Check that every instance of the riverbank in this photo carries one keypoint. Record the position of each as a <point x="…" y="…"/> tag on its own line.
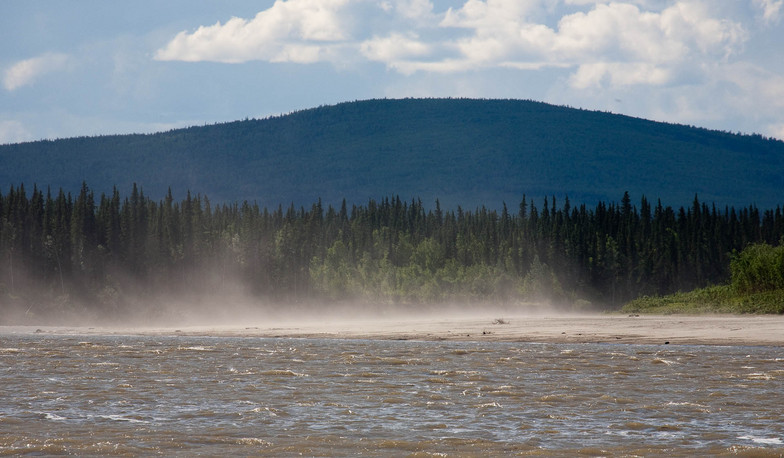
<point x="626" y="329"/>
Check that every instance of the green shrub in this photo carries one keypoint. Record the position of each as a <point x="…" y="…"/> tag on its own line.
<point x="758" y="268"/>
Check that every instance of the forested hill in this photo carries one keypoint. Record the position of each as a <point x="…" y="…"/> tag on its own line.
<point x="463" y="152"/>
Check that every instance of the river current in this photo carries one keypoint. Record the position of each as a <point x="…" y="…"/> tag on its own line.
<point x="185" y="395"/>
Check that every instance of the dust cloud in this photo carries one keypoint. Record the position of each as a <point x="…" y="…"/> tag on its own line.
<point x="209" y="297"/>
<point x="225" y="307"/>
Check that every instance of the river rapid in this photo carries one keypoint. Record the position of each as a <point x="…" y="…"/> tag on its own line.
<point x="190" y="395"/>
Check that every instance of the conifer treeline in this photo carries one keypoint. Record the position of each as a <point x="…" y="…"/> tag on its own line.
<point x="59" y="247"/>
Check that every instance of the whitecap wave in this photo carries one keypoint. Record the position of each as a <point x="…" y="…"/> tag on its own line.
<point x="763" y="440"/>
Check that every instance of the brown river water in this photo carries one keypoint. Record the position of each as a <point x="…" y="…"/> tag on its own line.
<point x="185" y="395"/>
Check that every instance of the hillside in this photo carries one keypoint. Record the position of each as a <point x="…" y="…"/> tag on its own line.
<point x="466" y="152"/>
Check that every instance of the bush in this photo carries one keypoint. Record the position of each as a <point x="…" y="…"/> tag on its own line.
<point x="758" y="268"/>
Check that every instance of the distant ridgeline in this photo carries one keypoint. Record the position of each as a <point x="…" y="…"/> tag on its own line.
<point x="461" y="151"/>
<point x="60" y="252"/>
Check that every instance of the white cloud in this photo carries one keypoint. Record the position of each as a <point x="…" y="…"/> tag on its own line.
<point x="690" y="22"/>
<point x="414" y="9"/>
<point x="614" y="31"/>
<point x="395" y="48"/>
<point x="25" y="72"/>
<point x="619" y="74"/>
<point x="770" y="10"/>
<point x="615" y="43"/>
<point x="488" y="14"/>
<point x="301" y="31"/>
<point x="630" y="46"/>
<point x="623" y="43"/>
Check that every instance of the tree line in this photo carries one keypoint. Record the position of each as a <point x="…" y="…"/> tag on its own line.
<point x="59" y="249"/>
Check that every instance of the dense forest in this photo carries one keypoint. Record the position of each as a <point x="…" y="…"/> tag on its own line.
<point x="460" y="151"/>
<point x="62" y="252"/>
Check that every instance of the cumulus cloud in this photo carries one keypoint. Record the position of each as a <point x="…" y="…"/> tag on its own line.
<point x="411" y="9"/>
<point x="395" y="48"/>
<point x="614" y="42"/>
<point x="606" y="43"/>
<point x="27" y="71"/>
<point x="632" y="46"/>
<point x="301" y="31"/>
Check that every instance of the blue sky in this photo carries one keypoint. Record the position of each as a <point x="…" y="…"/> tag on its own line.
<point x="92" y="67"/>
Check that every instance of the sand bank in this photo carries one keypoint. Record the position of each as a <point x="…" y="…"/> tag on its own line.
<point x="643" y="329"/>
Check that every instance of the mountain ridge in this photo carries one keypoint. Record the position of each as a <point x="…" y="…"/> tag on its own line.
<point x="466" y="152"/>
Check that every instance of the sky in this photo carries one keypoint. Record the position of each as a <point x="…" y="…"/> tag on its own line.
<point x="97" y="67"/>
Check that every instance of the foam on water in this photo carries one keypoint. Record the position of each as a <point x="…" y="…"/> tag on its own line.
<point x="763" y="440"/>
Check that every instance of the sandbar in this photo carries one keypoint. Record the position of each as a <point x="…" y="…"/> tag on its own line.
<point x="734" y="330"/>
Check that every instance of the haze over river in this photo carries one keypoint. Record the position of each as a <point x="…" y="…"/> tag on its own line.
<point x="186" y="395"/>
